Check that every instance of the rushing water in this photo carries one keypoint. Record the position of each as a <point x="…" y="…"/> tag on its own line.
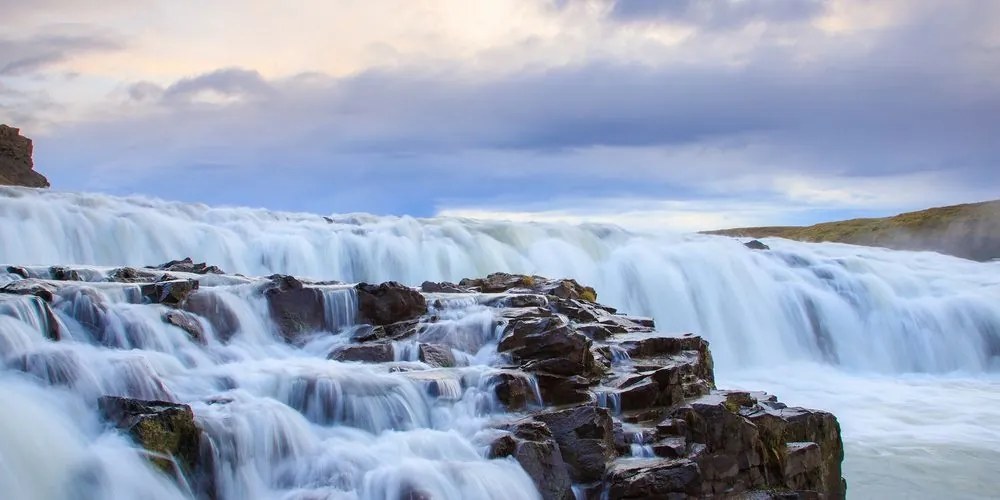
<point x="904" y="347"/>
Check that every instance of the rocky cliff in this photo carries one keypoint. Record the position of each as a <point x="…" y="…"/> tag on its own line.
<point x="16" y="165"/>
<point x="971" y="231"/>
<point x="590" y="402"/>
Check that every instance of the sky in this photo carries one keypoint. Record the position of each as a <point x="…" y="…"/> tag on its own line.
<point x="679" y="114"/>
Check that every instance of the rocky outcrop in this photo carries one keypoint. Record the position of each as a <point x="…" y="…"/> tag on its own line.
<point x="186" y="265"/>
<point x="16" y="164"/>
<point x="590" y="402"/>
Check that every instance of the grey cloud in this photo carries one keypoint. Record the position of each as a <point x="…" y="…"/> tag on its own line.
<point x="232" y="82"/>
<point x="717" y="13"/>
<point x="30" y="55"/>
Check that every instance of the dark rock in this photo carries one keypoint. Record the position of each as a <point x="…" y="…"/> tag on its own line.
<point x="18" y="270"/>
<point x="295" y="309"/>
<point x="551" y="344"/>
<point x="159" y="426"/>
<point x="209" y="306"/>
<point x="586" y="439"/>
<point x="533" y="446"/>
<point x="436" y="355"/>
<point x="61" y="273"/>
<point x="519" y="283"/>
<point x="41" y="289"/>
<point x="370" y="353"/>
<point x="443" y="287"/>
<point x="513" y="389"/>
<point x="187" y="322"/>
<point x="756" y="245"/>
<point x="667" y="479"/>
<point x="562" y="390"/>
<point x="16" y="164"/>
<point x="186" y="265"/>
<point x="169" y="293"/>
<point x="388" y="303"/>
<point x="131" y="275"/>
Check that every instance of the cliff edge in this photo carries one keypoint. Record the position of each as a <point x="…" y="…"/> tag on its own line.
<point x="16" y="166"/>
<point x="971" y="231"/>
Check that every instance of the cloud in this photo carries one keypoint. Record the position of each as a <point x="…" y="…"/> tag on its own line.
<point x="40" y="52"/>
<point x="717" y="14"/>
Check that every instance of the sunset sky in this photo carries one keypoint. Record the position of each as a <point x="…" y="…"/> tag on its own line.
<point x="683" y="114"/>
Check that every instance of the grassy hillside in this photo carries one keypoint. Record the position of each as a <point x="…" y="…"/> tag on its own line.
<point x="971" y="231"/>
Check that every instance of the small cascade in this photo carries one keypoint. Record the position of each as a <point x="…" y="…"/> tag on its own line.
<point x="610" y="399"/>
<point x="640" y="443"/>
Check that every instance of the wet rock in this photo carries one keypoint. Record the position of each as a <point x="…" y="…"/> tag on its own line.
<point x="186" y="265"/>
<point x="560" y="390"/>
<point x="18" y="270"/>
<point x="388" y="303"/>
<point x="295" y="308"/>
<point x="41" y="289"/>
<point x="550" y="344"/>
<point x="586" y="439"/>
<point x="519" y="283"/>
<point x="533" y="446"/>
<point x="169" y="293"/>
<point x="158" y="426"/>
<point x="513" y="389"/>
<point x="443" y="287"/>
<point x="756" y="245"/>
<point x="667" y="479"/>
<point x="370" y="353"/>
<point x="436" y="355"/>
<point x="209" y="306"/>
<point x="62" y="273"/>
<point x="132" y="275"/>
<point x="187" y="322"/>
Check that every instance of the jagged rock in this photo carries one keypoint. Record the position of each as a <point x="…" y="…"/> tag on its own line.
<point x="586" y="439"/>
<point x="436" y="355"/>
<point x="187" y="322"/>
<point x="560" y="390"/>
<point x="756" y="245"/>
<point x="159" y="426"/>
<point x="18" y="270"/>
<point x="549" y="344"/>
<point x="16" y="164"/>
<point x="296" y="309"/>
<point x="186" y="265"/>
<point x="208" y="305"/>
<point x="513" y="389"/>
<point x="519" y="283"/>
<point x="533" y="446"/>
<point x="371" y="353"/>
<point x="169" y="293"/>
<point x="443" y="287"/>
<point x="667" y="479"/>
<point x="389" y="302"/>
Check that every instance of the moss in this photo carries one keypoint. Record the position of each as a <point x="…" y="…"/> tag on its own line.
<point x="588" y="294"/>
<point x="527" y="281"/>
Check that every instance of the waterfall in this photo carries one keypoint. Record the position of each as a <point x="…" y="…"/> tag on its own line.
<point x="863" y="309"/>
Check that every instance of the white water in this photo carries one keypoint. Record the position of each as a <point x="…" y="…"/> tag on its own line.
<point x="853" y="330"/>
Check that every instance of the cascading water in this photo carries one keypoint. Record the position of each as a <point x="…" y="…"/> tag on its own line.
<point x="811" y="321"/>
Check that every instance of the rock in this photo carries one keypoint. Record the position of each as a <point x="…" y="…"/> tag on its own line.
<point x="16" y="164"/>
<point x="295" y="309"/>
<point x="18" y="270"/>
<point x="208" y="305"/>
<point x="39" y="288"/>
<point x="443" y="287"/>
<point x="667" y="479"/>
<point x="550" y="344"/>
<point x="388" y="303"/>
<point x="533" y="446"/>
<point x="560" y="390"/>
<point x="436" y="355"/>
<point x="158" y="426"/>
<point x="756" y="245"/>
<point x="187" y="322"/>
<point x="186" y="265"/>
<point x="62" y="273"/>
<point x="169" y="293"/>
<point x="370" y="353"/>
<point x="36" y="300"/>
<point x="132" y="275"/>
<point x="513" y="389"/>
<point x="519" y="283"/>
<point x="586" y="439"/>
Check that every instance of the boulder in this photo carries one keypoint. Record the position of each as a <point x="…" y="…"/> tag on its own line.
<point x="161" y="427"/>
<point x="187" y="322"/>
<point x="295" y="308"/>
<point x="39" y="288"/>
<point x="519" y="283"/>
<point x="170" y="292"/>
<point x="443" y="287"/>
<point x="62" y="273"/>
<point x="756" y="245"/>
<point x="208" y="305"/>
<point x="533" y="446"/>
<point x="389" y="303"/>
<point x="436" y="355"/>
<point x="550" y="344"/>
<point x="132" y="275"/>
<point x="370" y="353"/>
<point x="513" y="389"/>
